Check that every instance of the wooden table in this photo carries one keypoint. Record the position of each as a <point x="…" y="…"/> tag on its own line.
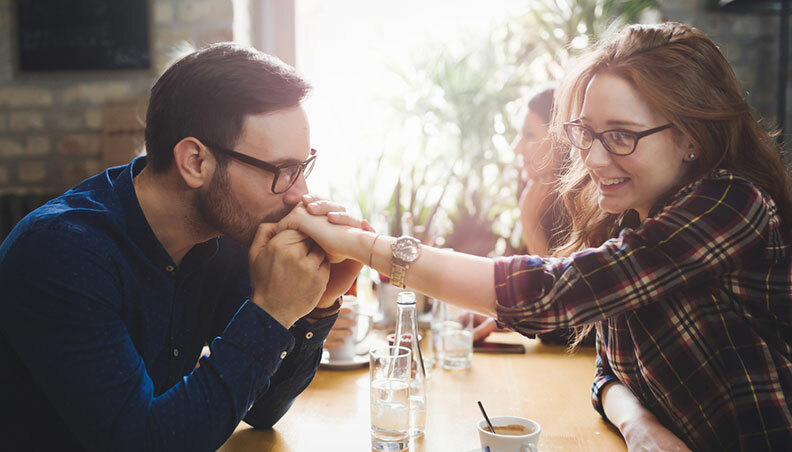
<point x="545" y="384"/>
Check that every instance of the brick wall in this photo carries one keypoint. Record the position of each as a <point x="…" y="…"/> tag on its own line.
<point x="53" y="126"/>
<point x="750" y="43"/>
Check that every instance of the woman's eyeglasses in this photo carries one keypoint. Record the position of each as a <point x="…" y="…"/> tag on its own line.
<point x="615" y="141"/>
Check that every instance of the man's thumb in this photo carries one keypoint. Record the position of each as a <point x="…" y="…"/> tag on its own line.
<point x="264" y="233"/>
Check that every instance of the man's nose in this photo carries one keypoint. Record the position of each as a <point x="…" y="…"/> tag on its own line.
<point x="295" y="193"/>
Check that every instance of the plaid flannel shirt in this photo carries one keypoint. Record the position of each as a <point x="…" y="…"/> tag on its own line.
<point x="693" y="310"/>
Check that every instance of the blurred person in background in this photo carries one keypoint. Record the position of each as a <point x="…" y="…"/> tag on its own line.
<point x="543" y="218"/>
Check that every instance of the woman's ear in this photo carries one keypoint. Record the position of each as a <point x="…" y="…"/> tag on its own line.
<point x="194" y="162"/>
<point x="687" y="148"/>
<point x="691" y="154"/>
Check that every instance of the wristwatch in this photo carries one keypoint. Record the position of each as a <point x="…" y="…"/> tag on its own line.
<point x="323" y="313"/>
<point x="404" y="251"/>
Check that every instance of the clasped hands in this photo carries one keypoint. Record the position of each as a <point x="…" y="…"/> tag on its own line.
<point x="299" y="264"/>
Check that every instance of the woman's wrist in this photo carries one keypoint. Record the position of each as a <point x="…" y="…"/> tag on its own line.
<point x="623" y="409"/>
<point x="641" y="419"/>
<point x="362" y="246"/>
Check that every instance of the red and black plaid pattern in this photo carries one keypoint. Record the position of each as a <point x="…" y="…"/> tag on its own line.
<point x="693" y="309"/>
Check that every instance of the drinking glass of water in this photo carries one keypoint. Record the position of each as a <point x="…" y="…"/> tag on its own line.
<point x="452" y="335"/>
<point x="389" y="390"/>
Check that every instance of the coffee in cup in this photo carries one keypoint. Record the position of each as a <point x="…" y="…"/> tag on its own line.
<point x="512" y="434"/>
<point x="512" y="429"/>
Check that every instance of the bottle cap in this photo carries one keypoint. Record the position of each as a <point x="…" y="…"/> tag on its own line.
<point x="405" y="297"/>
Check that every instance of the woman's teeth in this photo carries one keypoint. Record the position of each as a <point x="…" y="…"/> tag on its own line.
<point x="614" y="181"/>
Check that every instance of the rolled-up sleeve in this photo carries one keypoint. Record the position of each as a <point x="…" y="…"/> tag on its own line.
<point x="602" y="376"/>
<point x="710" y="229"/>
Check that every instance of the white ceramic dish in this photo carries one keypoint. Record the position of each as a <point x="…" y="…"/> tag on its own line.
<point x="357" y="361"/>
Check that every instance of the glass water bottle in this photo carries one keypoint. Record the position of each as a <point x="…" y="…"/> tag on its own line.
<point x="407" y="336"/>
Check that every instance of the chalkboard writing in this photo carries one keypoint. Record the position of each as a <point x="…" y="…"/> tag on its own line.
<point x="57" y="35"/>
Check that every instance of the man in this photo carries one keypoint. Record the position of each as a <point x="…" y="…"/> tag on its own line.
<point x="110" y="291"/>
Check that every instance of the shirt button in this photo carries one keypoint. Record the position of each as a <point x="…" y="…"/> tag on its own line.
<point x="283" y="354"/>
<point x="169" y="268"/>
<point x="176" y="352"/>
<point x="309" y="335"/>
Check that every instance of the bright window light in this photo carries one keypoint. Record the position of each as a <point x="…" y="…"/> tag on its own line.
<point x="349" y="49"/>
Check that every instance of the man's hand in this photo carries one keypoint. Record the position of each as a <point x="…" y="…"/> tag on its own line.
<point x="327" y="224"/>
<point x="288" y="273"/>
<point x="342" y="275"/>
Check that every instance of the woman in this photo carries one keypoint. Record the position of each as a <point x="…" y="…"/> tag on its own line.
<point x="542" y="214"/>
<point x="679" y="252"/>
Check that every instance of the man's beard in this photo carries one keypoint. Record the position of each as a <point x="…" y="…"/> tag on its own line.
<point x="219" y="211"/>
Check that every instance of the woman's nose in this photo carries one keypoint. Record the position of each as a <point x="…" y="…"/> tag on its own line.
<point x="596" y="156"/>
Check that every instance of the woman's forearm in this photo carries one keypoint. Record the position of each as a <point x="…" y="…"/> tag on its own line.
<point x="462" y="279"/>
<point x="621" y="406"/>
<point x="639" y="427"/>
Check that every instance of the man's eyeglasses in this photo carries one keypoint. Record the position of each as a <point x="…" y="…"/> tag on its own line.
<point x="284" y="176"/>
<point x="615" y="141"/>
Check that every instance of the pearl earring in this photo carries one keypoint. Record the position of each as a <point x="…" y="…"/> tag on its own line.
<point x="691" y="156"/>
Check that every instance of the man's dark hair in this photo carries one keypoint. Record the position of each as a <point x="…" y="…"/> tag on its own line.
<point x="207" y="95"/>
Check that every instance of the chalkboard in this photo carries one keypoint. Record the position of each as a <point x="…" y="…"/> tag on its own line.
<point x="82" y="35"/>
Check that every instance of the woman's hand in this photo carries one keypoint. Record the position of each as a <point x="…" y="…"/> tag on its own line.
<point x="311" y="217"/>
<point x="646" y="434"/>
<point x="328" y="224"/>
<point x="640" y="428"/>
<point x="483" y="326"/>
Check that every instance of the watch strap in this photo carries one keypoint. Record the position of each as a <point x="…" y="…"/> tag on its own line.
<point x="323" y="313"/>
<point x="398" y="273"/>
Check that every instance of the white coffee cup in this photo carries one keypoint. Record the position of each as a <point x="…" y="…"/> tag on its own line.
<point x="347" y="351"/>
<point x="509" y="442"/>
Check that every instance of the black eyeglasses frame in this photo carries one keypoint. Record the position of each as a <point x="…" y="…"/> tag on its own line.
<point x="599" y="136"/>
<point x="274" y="169"/>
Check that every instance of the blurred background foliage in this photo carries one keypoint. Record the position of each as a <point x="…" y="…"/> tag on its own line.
<point x="462" y="103"/>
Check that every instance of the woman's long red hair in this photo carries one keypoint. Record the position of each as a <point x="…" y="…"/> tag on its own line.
<point x="684" y="76"/>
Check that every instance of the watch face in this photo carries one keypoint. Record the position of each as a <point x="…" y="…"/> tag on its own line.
<point x="407" y="249"/>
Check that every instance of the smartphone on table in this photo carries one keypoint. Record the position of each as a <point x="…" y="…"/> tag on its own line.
<point x="497" y="347"/>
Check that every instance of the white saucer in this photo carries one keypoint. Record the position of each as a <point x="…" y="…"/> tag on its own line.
<point x="357" y="361"/>
<point x="479" y="449"/>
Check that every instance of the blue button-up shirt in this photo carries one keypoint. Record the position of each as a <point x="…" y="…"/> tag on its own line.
<point x="100" y="333"/>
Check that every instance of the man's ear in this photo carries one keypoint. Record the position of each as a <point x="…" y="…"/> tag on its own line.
<point x="194" y="162"/>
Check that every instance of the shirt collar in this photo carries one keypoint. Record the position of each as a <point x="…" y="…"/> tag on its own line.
<point x="137" y="227"/>
<point x="139" y="230"/>
<point x="631" y="219"/>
